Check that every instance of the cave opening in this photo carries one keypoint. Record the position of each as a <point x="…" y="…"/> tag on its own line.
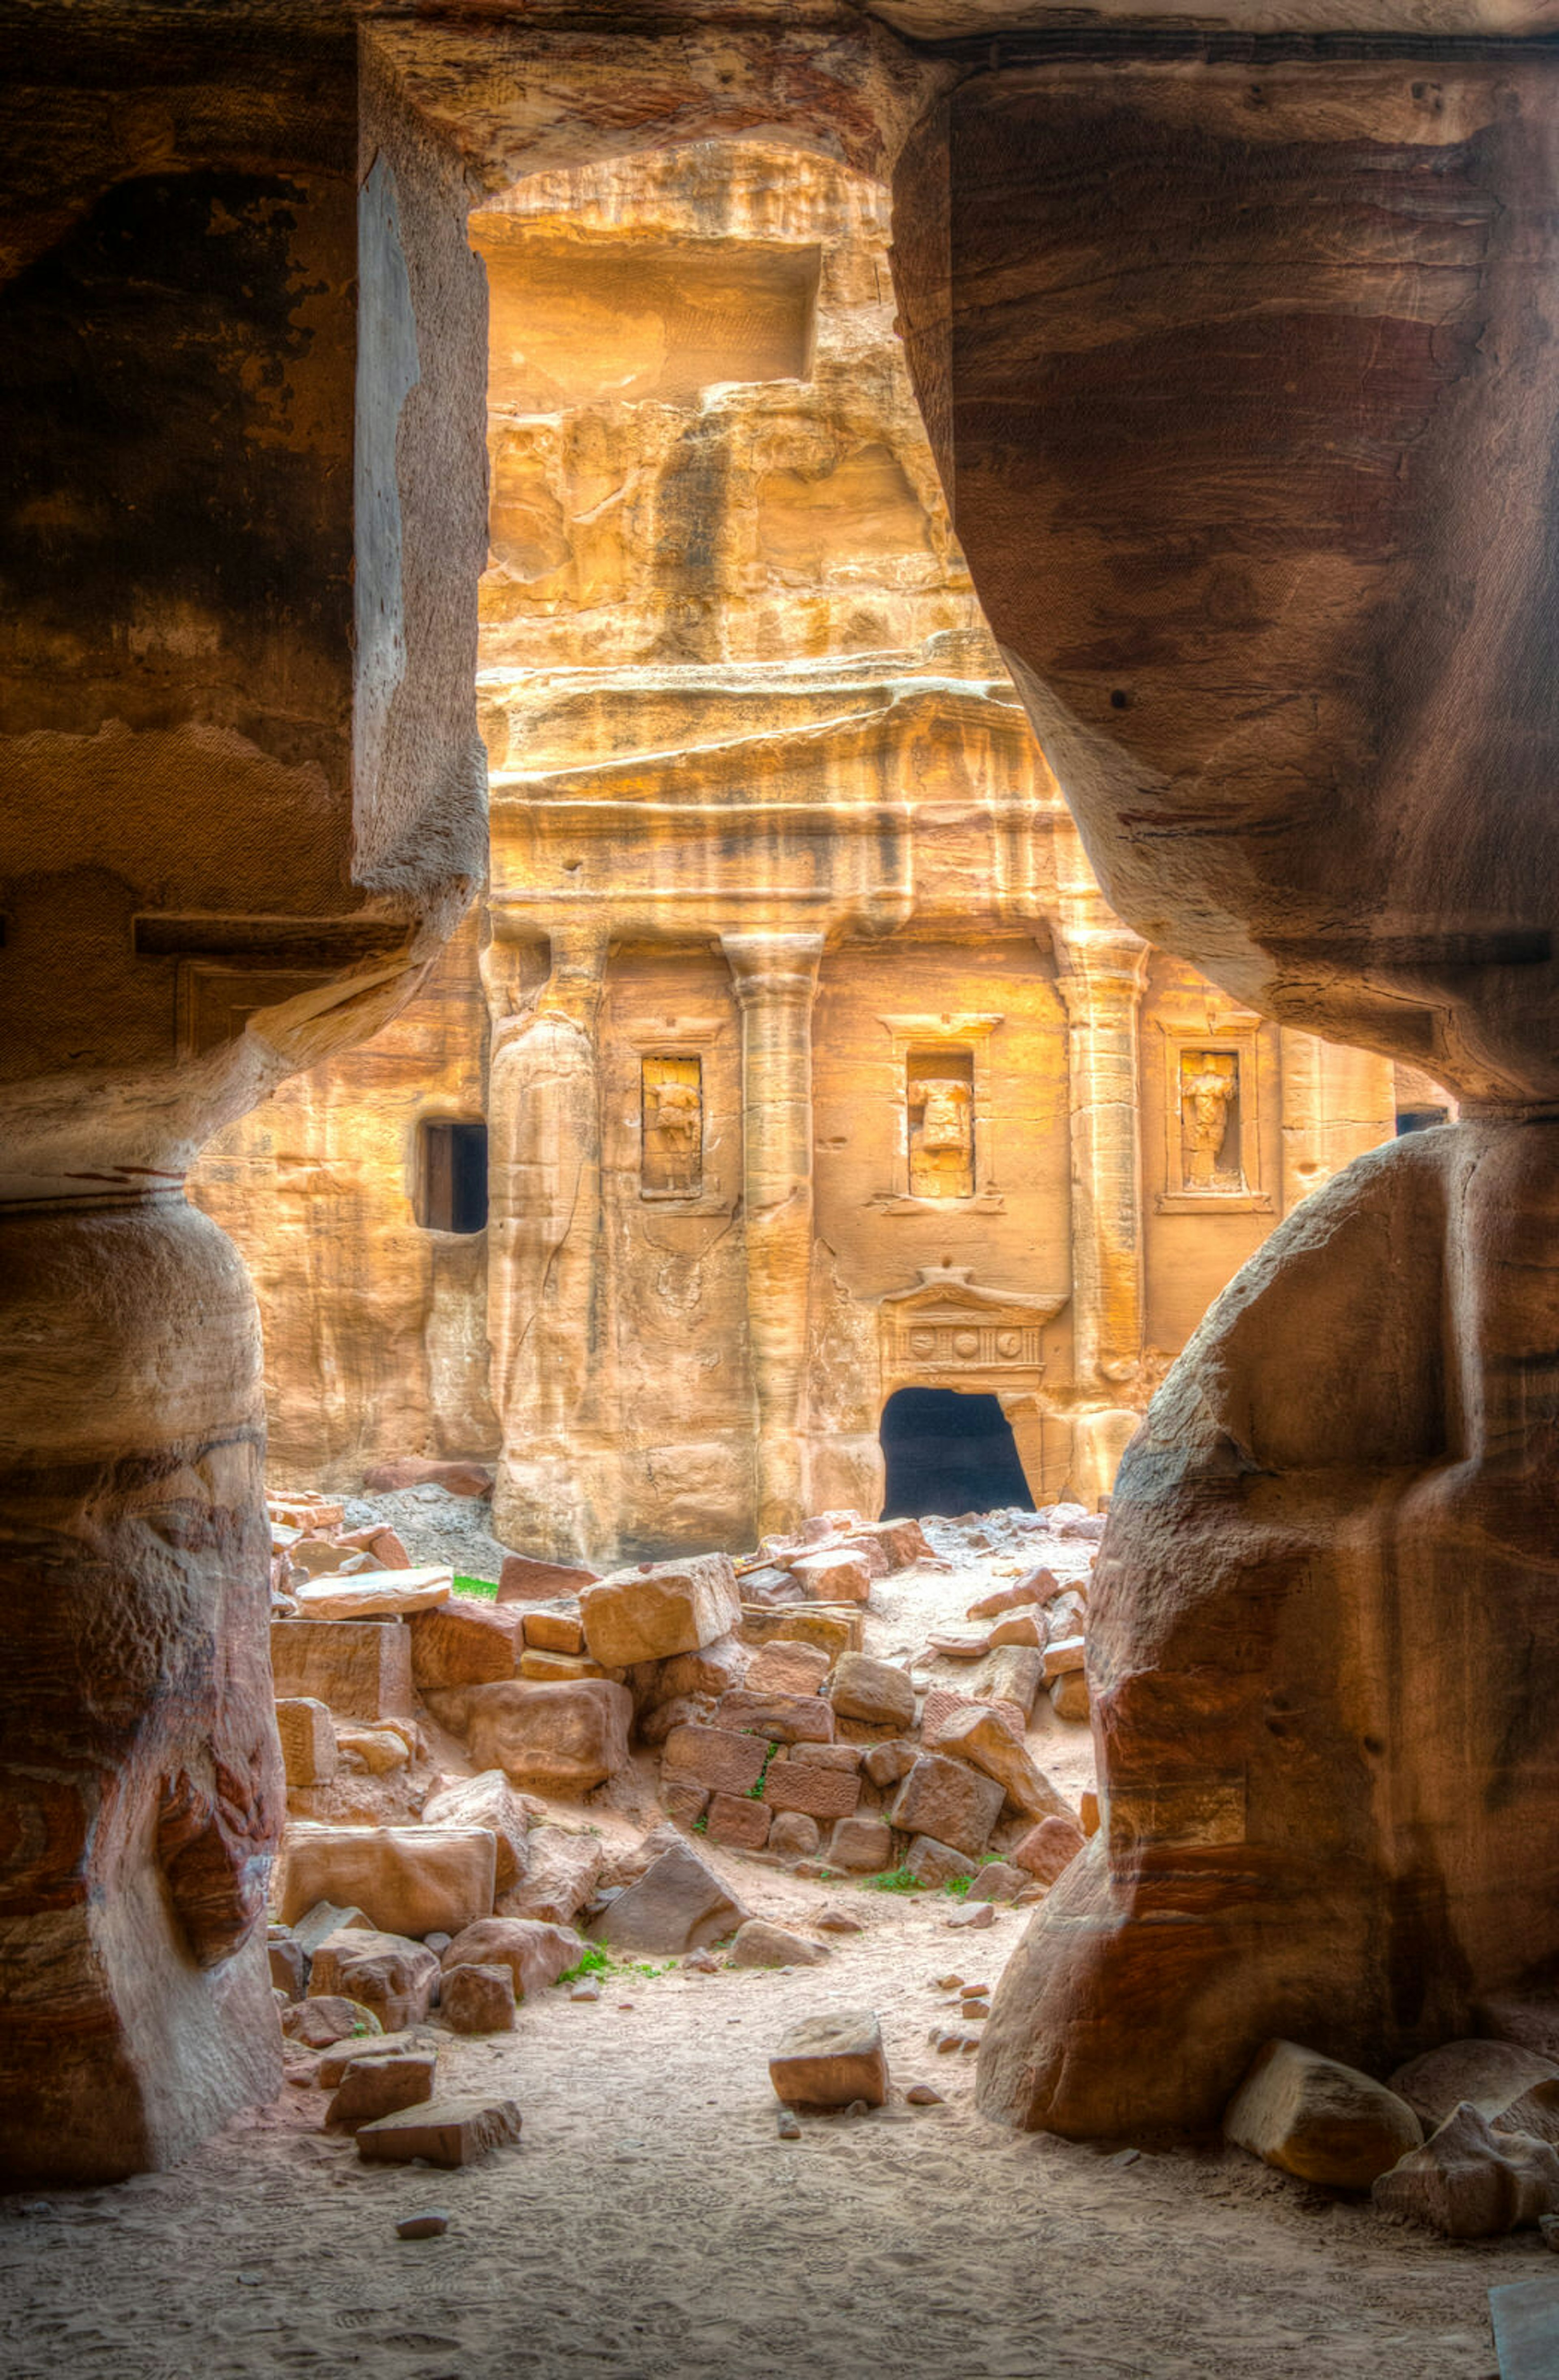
<point x="949" y="1452"/>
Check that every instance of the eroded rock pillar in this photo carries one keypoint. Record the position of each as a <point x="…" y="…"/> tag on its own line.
<point x="140" y="1780"/>
<point x="547" y="1322"/>
<point x="776" y="977"/>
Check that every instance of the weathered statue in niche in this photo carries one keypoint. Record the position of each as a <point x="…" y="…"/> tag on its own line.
<point x="941" y="1137"/>
<point x="1210" y="1121"/>
<point x="672" y="1154"/>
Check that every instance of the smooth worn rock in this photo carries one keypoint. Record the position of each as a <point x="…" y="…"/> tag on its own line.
<point x="831" y="2061"/>
<point x="1315" y="2117"/>
<point x="949" y="1801"/>
<point x="878" y="1690"/>
<point x="411" y="1880"/>
<point x="1062" y="1657"/>
<point x="903" y="1543"/>
<point x="559" y="1739"/>
<point x="487" y="1801"/>
<point x="535" y="1954"/>
<point x="835" y="1919"/>
<point x="308" y="1736"/>
<point x="740" y="1822"/>
<point x="289" y="1963"/>
<point x="334" y="2061"/>
<point x="382" y="1595"/>
<point x="372" y="2087"/>
<point x="922" y="2095"/>
<point x="478" y="1998"/>
<point x="718" y="1669"/>
<point x="431" y="2225"/>
<point x="974" y="1916"/>
<point x="792" y="1834"/>
<point x="997" y="1881"/>
<point x="1069" y="1696"/>
<point x="1471" y="2181"/>
<point x="462" y="1644"/>
<point x="554" y="1628"/>
<point x="833" y="1628"/>
<point x="861" y="1845"/>
<point x="884" y="1764"/>
<point x="837" y="1578"/>
<point x="522" y="1579"/>
<point x="443" y="2133"/>
<point x="932" y="1864"/>
<point x="392" y="1976"/>
<point x="678" y="1904"/>
<point x="1049" y="1849"/>
<point x="378" y="1750"/>
<point x="760" y="1943"/>
<point x="658" y="1608"/>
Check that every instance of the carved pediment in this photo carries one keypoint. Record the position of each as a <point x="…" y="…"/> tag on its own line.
<point x="949" y="1329"/>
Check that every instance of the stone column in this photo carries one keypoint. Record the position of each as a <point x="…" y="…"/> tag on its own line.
<point x="141" y="1789"/>
<point x="1102" y="964"/>
<point x="776" y="977"/>
<point x="546" y="1305"/>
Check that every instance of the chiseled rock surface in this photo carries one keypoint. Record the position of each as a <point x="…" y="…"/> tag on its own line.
<point x="660" y="1608"/>
<point x="950" y="1801"/>
<point x="1471" y="2181"/>
<point x="1490" y="2075"/>
<point x="411" y="1880"/>
<point x="879" y="1691"/>
<point x="560" y="1877"/>
<point x="1319" y="2120"/>
<point x="382" y="1595"/>
<point x="463" y="1643"/>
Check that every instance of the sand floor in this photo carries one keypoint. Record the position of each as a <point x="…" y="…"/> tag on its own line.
<point x="652" y="2223"/>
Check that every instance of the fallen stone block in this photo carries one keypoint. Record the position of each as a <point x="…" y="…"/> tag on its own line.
<point x="932" y="1864"/>
<point x="997" y="1881"/>
<point x="444" y="2132"/>
<point x="884" y="1764"/>
<point x="1012" y="1674"/>
<point x="847" y="1757"/>
<point x="714" y="1669"/>
<point x="462" y="1644"/>
<point x="684" y="1805"/>
<point x="379" y="1750"/>
<point x="973" y="1916"/>
<point x="326" y="1918"/>
<point x="878" y="1690"/>
<point x="949" y="1801"/>
<point x="535" y="1953"/>
<point x="459" y="1478"/>
<point x="738" y="1821"/>
<point x="360" y="1668"/>
<point x="658" y="1608"/>
<point x="333" y="2062"/>
<point x="380" y="1541"/>
<point x="329" y="2017"/>
<point x="786" y="1668"/>
<point x="1033" y="1587"/>
<point x="560" y="1880"/>
<point x="1049" y="1849"/>
<point x="393" y="1976"/>
<point x="837" y="1577"/>
<point x="761" y="1943"/>
<point x="903" y="1543"/>
<point x="1471" y="2181"/>
<point x="1061" y="1659"/>
<point x="821" y="1793"/>
<point x="831" y="2061"/>
<point x="289" y="1961"/>
<point x="476" y="2000"/>
<point x="487" y="1801"/>
<point x="561" y="1668"/>
<point x="525" y="1580"/>
<point x="372" y="2087"/>
<point x="1087" y="1813"/>
<point x="1068" y="1695"/>
<point x="554" y="1628"/>
<point x="861" y="1846"/>
<point x="1310" y="2116"/>
<point x="833" y="1628"/>
<point x="778" y="1719"/>
<point x="559" y="1739"/>
<point x="382" y="1595"/>
<point x="411" y="1880"/>
<point x="793" y="1835"/>
<point x="716" y="1757"/>
<point x="978" y="1736"/>
<point x="1490" y="2075"/>
<point x="1022" y="1631"/>
<point x="678" y="1904"/>
<point x="307" y="1734"/>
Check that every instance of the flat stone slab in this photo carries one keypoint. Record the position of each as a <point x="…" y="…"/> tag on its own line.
<point x="443" y="2132"/>
<point x="375" y="1594"/>
<point x="1525" y="2319"/>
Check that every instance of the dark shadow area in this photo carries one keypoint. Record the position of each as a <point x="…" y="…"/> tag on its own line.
<point x="451" y="1175"/>
<point x="947" y="1452"/>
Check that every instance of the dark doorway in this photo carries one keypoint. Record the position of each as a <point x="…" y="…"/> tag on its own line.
<point x="451" y="1193"/>
<point x="1420" y="1119"/>
<point x="950" y="1453"/>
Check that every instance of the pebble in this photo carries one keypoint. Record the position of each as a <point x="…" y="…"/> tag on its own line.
<point x="587" y="1988"/>
<point x="982" y="1914"/>
<point x="858" y="2107"/>
<point x="431" y="2226"/>
<point x="948" y="1984"/>
<point x="788" y="2127"/>
<point x="700" y="1962"/>
<point x="920" y="2094"/>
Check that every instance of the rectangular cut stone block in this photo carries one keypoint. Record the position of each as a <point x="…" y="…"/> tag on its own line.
<point x="463" y="1644"/>
<point x="387" y="1972"/>
<point x="787" y="1668"/>
<point x="903" y="1542"/>
<point x="411" y="1880"/>
<point x="487" y="1801"/>
<point x="834" y="1628"/>
<point x="559" y="1666"/>
<point x="360" y="1668"/>
<point x="1062" y="1658"/>
<point x="944" y="1798"/>
<point x="382" y="1595"/>
<point x="523" y="1579"/>
<point x="307" y="1737"/>
<point x="551" y="1629"/>
<point x="839" y="1577"/>
<point x="663" y="1608"/>
<point x="372" y="2087"/>
<point x="782" y="1719"/>
<point x="741" y="1823"/>
<point x="831" y="2061"/>
<point x="444" y="2131"/>
<point x="714" y="1756"/>
<point x="822" y="1793"/>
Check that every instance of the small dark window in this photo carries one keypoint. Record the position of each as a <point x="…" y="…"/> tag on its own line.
<point x="1420" y="1119"/>
<point x="451" y="1175"/>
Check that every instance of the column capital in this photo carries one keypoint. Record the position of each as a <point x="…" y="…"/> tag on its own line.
<point x="783" y="966"/>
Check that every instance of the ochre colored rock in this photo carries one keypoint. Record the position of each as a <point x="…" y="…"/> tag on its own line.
<point x="831" y="2061"/>
<point x="522" y="1579"/>
<point x="459" y="1478"/>
<point x="384" y="1595"/>
<point x="660" y="1608"/>
<point x="444" y="2132"/>
<point x="464" y="1644"/>
<point x="360" y="1668"/>
<point x="411" y="1880"/>
<point x="833" y="1629"/>
<point x="560" y="1879"/>
<point x="1324" y="2121"/>
<point x="840" y="1576"/>
<point x="380" y="2085"/>
<point x="560" y="1738"/>
<point x="780" y="1718"/>
<point x="879" y="1691"/>
<point x="983" y="1738"/>
<point x="781" y="1667"/>
<point x="535" y="1954"/>
<point x="307" y="1740"/>
<point x="554" y="1629"/>
<point x="487" y="1801"/>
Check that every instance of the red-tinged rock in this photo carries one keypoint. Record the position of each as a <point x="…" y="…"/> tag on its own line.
<point x="862" y="1846"/>
<point x="841" y="1576"/>
<point x="392" y="1976"/>
<point x="761" y="1943"/>
<point x="741" y="1824"/>
<point x="793" y="1835"/>
<point x="463" y="1644"/>
<point x="476" y="2000"/>
<point x="408" y="1880"/>
<point x="831" y="2061"/>
<point x="560" y="1880"/>
<point x="379" y="1540"/>
<point x="903" y="1542"/>
<point x="779" y="1718"/>
<point x="779" y="1668"/>
<point x="949" y="1801"/>
<point x="559" y="1739"/>
<point x="524" y="1580"/>
<point x="534" y="1953"/>
<point x="487" y="1801"/>
<point x="1049" y="1849"/>
<point x="878" y="1690"/>
<point x="552" y="1628"/>
<point x="716" y="1757"/>
<point x="678" y="1904"/>
<point x="983" y="1738"/>
<point x="821" y="1793"/>
<point x="1068" y="1653"/>
<point x="361" y="1668"/>
<point x="376" y="2086"/>
<point x="1326" y="2123"/>
<point x="443" y="2133"/>
<point x="410" y="1470"/>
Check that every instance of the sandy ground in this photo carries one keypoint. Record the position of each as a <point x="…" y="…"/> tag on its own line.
<point x="652" y="2223"/>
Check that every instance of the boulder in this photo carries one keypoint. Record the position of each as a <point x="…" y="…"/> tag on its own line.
<point x="1063" y="1657"/>
<point x="487" y="1801"/>
<point x="559" y="1739"/>
<point x="524" y="1580"/>
<point x="760" y="1943"/>
<point x="1034" y="1587"/>
<point x="793" y="1835"/>
<point x="949" y="1801"/>
<point x="1471" y="2181"/>
<point x="534" y="1953"/>
<point x="840" y="1576"/>
<point x="1026" y="1630"/>
<point x="831" y="2061"/>
<point x="379" y="1750"/>
<point x="999" y="1881"/>
<point x="462" y="1644"/>
<point x="333" y="2062"/>
<point x="658" y="1608"/>
<point x="387" y="1973"/>
<point x="560" y="1879"/>
<point x="443" y="2133"/>
<point x="326" y="1918"/>
<point x="784" y="1668"/>
<point x="717" y="1757"/>
<point x="554" y="1628"/>
<point x="1048" y="1849"/>
<point x="380" y="1540"/>
<point x="477" y="1998"/>
<point x="932" y="1864"/>
<point x="678" y="1904"/>
<point x="457" y="1478"/>
<point x="307" y="1734"/>
<point x="779" y="1718"/>
<point x="714" y="1669"/>
<point x="411" y="1880"/>
<point x="1069" y="1697"/>
<point x="980" y="1737"/>
<point x="1490" y="2075"/>
<point x="328" y="2018"/>
<point x="684" y="1805"/>
<point x="372" y="2087"/>
<point x="1013" y="1674"/>
<point x="358" y="1668"/>
<point x="738" y="1821"/>
<point x="1313" y="2116"/>
<point x="382" y="1595"/>
<point x="862" y="1846"/>
<point x="878" y="1690"/>
<point x="884" y="1764"/>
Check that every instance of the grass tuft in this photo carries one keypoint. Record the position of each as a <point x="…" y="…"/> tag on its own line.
<point x="484" y="1590"/>
<point x="893" y="1879"/>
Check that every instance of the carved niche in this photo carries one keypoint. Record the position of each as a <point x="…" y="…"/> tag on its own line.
<point x="950" y="1332"/>
<point x="671" y="1160"/>
<point x="1210" y="1156"/>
